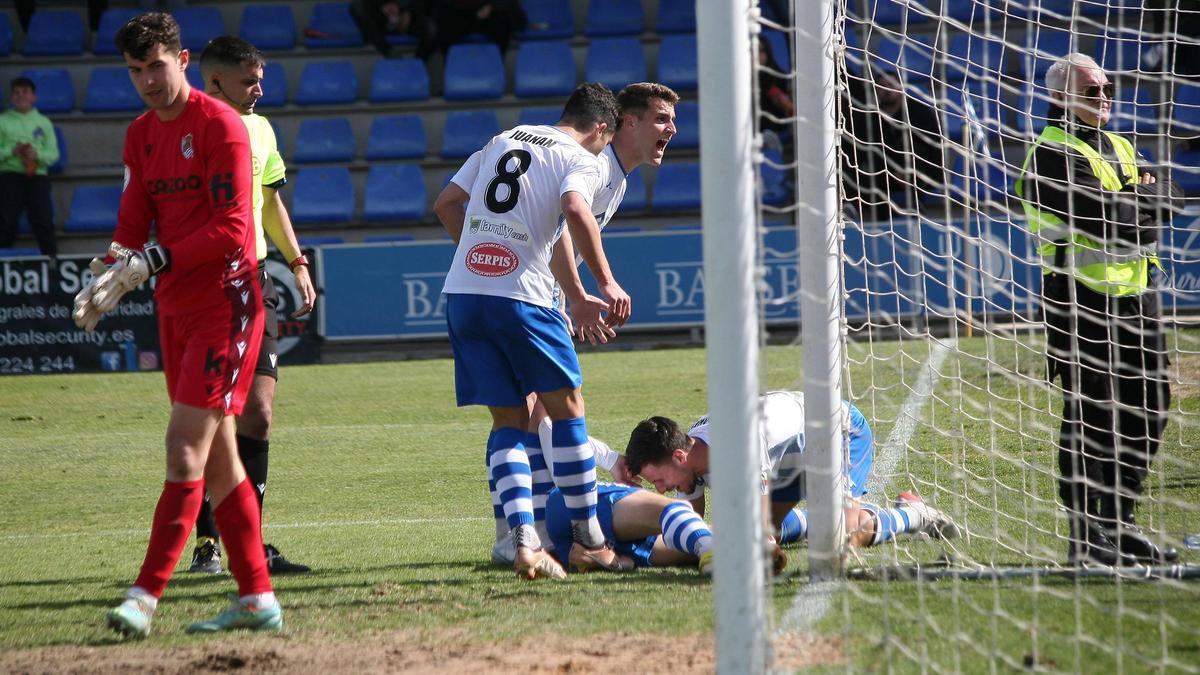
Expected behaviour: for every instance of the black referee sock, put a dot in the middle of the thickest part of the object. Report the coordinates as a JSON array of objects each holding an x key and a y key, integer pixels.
[
  {"x": 254, "y": 453},
  {"x": 205, "y": 525}
]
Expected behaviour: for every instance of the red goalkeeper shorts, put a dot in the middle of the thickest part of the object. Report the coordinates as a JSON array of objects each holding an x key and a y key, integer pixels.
[{"x": 208, "y": 355}]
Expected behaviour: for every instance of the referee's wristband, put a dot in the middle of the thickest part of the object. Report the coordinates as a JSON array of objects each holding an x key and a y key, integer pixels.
[{"x": 300, "y": 261}]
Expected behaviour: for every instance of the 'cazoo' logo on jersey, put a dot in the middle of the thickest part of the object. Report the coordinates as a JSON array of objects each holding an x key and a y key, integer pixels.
[{"x": 490, "y": 259}]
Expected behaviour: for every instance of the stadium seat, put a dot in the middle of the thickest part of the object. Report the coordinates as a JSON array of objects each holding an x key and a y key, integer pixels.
[
  {"x": 677, "y": 187},
  {"x": 54, "y": 32},
  {"x": 1043, "y": 47},
  {"x": 474, "y": 71},
  {"x": 110, "y": 22},
  {"x": 394, "y": 192},
  {"x": 975, "y": 57},
  {"x": 1031, "y": 112},
  {"x": 55, "y": 91},
  {"x": 194, "y": 77},
  {"x": 544, "y": 69},
  {"x": 331, "y": 26},
  {"x": 614, "y": 17},
  {"x": 93, "y": 209},
  {"x": 327, "y": 82},
  {"x": 198, "y": 25},
  {"x": 911, "y": 59},
  {"x": 895, "y": 12},
  {"x": 621, "y": 229},
  {"x": 677, "y": 62},
  {"x": 548, "y": 20},
  {"x": 109, "y": 90},
  {"x": 855, "y": 56},
  {"x": 320, "y": 240},
  {"x": 988, "y": 180},
  {"x": 274, "y": 86},
  {"x": 780, "y": 50},
  {"x": 325, "y": 139},
  {"x": 323, "y": 195},
  {"x": 1134, "y": 111},
  {"x": 775, "y": 188},
  {"x": 1185, "y": 111},
  {"x": 1187, "y": 171},
  {"x": 399, "y": 80},
  {"x": 397, "y": 137},
  {"x": 984, "y": 98},
  {"x": 1124, "y": 53},
  {"x": 676, "y": 16},
  {"x": 61, "y": 164},
  {"x": 635, "y": 193},
  {"x": 536, "y": 116},
  {"x": 387, "y": 238},
  {"x": 687, "y": 126},
  {"x": 268, "y": 26},
  {"x": 26, "y": 252},
  {"x": 6, "y": 35},
  {"x": 466, "y": 131},
  {"x": 615, "y": 62}
]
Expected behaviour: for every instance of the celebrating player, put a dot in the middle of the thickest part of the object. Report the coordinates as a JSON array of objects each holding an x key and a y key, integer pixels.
[
  {"x": 661, "y": 453},
  {"x": 503, "y": 208},
  {"x": 187, "y": 170},
  {"x": 233, "y": 73}
]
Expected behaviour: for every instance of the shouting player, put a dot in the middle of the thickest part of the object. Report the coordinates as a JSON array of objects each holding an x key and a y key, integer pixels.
[
  {"x": 503, "y": 209},
  {"x": 233, "y": 73},
  {"x": 187, "y": 171}
]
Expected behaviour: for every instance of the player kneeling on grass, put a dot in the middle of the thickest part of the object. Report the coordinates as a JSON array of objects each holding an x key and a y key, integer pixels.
[{"x": 663, "y": 454}]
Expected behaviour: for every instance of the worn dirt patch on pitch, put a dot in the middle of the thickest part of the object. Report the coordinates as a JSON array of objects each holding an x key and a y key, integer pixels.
[
  {"x": 1185, "y": 375},
  {"x": 411, "y": 652}
]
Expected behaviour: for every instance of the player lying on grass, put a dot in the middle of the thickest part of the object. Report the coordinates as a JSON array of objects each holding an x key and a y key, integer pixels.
[{"x": 660, "y": 452}]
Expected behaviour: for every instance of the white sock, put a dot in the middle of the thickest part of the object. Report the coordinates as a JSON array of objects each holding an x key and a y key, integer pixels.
[
  {"x": 260, "y": 600},
  {"x": 142, "y": 595}
]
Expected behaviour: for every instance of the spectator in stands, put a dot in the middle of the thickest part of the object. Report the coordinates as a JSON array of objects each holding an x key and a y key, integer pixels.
[
  {"x": 25, "y": 10},
  {"x": 496, "y": 20},
  {"x": 774, "y": 99},
  {"x": 28, "y": 148},
  {"x": 894, "y": 144},
  {"x": 1095, "y": 212},
  {"x": 379, "y": 19}
]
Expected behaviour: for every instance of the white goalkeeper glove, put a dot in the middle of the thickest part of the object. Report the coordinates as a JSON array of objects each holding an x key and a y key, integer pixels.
[
  {"x": 131, "y": 269},
  {"x": 86, "y": 315}
]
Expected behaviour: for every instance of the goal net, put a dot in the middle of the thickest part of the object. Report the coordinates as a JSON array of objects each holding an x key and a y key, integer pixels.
[{"x": 943, "y": 346}]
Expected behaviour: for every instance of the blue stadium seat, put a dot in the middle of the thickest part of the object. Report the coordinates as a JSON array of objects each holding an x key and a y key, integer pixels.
[
  {"x": 278, "y": 139},
  {"x": 776, "y": 189},
  {"x": 466, "y": 131},
  {"x": 984, "y": 98},
  {"x": 268, "y": 26},
  {"x": 989, "y": 181},
  {"x": 6, "y": 35},
  {"x": 327, "y": 82},
  {"x": 323, "y": 195},
  {"x": 198, "y": 25},
  {"x": 394, "y": 192},
  {"x": 55, "y": 91},
  {"x": 855, "y": 56},
  {"x": 615, "y": 62},
  {"x": 687, "y": 126},
  {"x": 683, "y": 227},
  {"x": 109, "y": 90},
  {"x": 331, "y": 26},
  {"x": 324, "y": 139},
  {"x": 195, "y": 77},
  {"x": 621, "y": 229},
  {"x": 26, "y": 252},
  {"x": 61, "y": 164},
  {"x": 54, "y": 32},
  {"x": 474, "y": 72},
  {"x": 539, "y": 115},
  {"x": 320, "y": 240},
  {"x": 677, "y": 187},
  {"x": 635, "y": 193},
  {"x": 614, "y": 17},
  {"x": 975, "y": 57},
  {"x": 93, "y": 209},
  {"x": 548, "y": 20},
  {"x": 1031, "y": 112},
  {"x": 397, "y": 137},
  {"x": 1124, "y": 53},
  {"x": 1187, "y": 171},
  {"x": 1186, "y": 110},
  {"x": 895, "y": 12},
  {"x": 677, "y": 62},
  {"x": 911, "y": 59},
  {"x": 110, "y": 22},
  {"x": 676, "y": 16},
  {"x": 1043, "y": 46},
  {"x": 544, "y": 69},
  {"x": 399, "y": 80},
  {"x": 780, "y": 51},
  {"x": 387, "y": 238},
  {"x": 274, "y": 86},
  {"x": 1134, "y": 111}
]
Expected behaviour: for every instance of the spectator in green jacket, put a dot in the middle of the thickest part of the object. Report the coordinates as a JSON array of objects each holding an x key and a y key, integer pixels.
[{"x": 27, "y": 149}]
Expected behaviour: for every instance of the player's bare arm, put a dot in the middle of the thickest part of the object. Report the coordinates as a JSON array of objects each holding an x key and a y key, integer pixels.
[
  {"x": 586, "y": 311},
  {"x": 585, "y": 235},
  {"x": 451, "y": 209},
  {"x": 278, "y": 226}
]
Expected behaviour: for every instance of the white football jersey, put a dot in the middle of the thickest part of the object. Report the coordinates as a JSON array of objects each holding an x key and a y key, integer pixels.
[
  {"x": 513, "y": 219},
  {"x": 612, "y": 187}
]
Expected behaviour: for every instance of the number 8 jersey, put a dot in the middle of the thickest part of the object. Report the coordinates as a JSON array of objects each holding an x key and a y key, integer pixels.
[{"x": 513, "y": 218}]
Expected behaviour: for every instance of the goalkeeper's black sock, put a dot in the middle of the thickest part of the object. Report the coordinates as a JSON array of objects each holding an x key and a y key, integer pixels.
[
  {"x": 205, "y": 525},
  {"x": 254, "y": 453}
]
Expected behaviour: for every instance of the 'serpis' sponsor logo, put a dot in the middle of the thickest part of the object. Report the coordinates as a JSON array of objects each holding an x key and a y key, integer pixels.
[{"x": 490, "y": 259}]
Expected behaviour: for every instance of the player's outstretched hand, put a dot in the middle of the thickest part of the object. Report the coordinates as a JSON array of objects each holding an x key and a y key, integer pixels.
[
  {"x": 86, "y": 315},
  {"x": 619, "y": 304},
  {"x": 131, "y": 269},
  {"x": 588, "y": 317},
  {"x": 308, "y": 293}
]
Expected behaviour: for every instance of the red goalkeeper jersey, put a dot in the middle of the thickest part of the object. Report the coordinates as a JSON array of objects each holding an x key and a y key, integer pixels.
[{"x": 191, "y": 177}]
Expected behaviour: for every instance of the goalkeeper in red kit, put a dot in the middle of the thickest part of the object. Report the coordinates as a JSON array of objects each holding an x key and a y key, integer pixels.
[{"x": 187, "y": 170}]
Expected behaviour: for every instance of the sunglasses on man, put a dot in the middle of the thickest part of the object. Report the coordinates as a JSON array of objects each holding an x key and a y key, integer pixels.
[{"x": 1094, "y": 91}]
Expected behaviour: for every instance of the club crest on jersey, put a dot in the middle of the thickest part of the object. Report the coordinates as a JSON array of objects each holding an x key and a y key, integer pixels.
[
  {"x": 490, "y": 259},
  {"x": 185, "y": 146}
]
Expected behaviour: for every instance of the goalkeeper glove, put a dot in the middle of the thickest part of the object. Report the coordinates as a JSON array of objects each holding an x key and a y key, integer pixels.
[
  {"x": 131, "y": 269},
  {"x": 86, "y": 315}
]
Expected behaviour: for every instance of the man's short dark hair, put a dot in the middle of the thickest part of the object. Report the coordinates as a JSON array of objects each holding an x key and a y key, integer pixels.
[
  {"x": 653, "y": 441},
  {"x": 228, "y": 51},
  {"x": 635, "y": 98},
  {"x": 137, "y": 37},
  {"x": 22, "y": 82},
  {"x": 590, "y": 104}
]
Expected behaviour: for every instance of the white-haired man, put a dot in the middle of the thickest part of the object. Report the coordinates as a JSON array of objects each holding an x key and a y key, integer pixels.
[{"x": 1095, "y": 210}]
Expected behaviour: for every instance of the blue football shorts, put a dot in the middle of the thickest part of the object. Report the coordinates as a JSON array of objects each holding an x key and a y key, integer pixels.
[
  {"x": 558, "y": 524},
  {"x": 505, "y": 349},
  {"x": 860, "y": 456}
]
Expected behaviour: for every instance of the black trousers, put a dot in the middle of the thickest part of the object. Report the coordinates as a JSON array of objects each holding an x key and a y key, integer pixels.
[
  {"x": 1110, "y": 353},
  {"x": 30, "y": 194}
]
